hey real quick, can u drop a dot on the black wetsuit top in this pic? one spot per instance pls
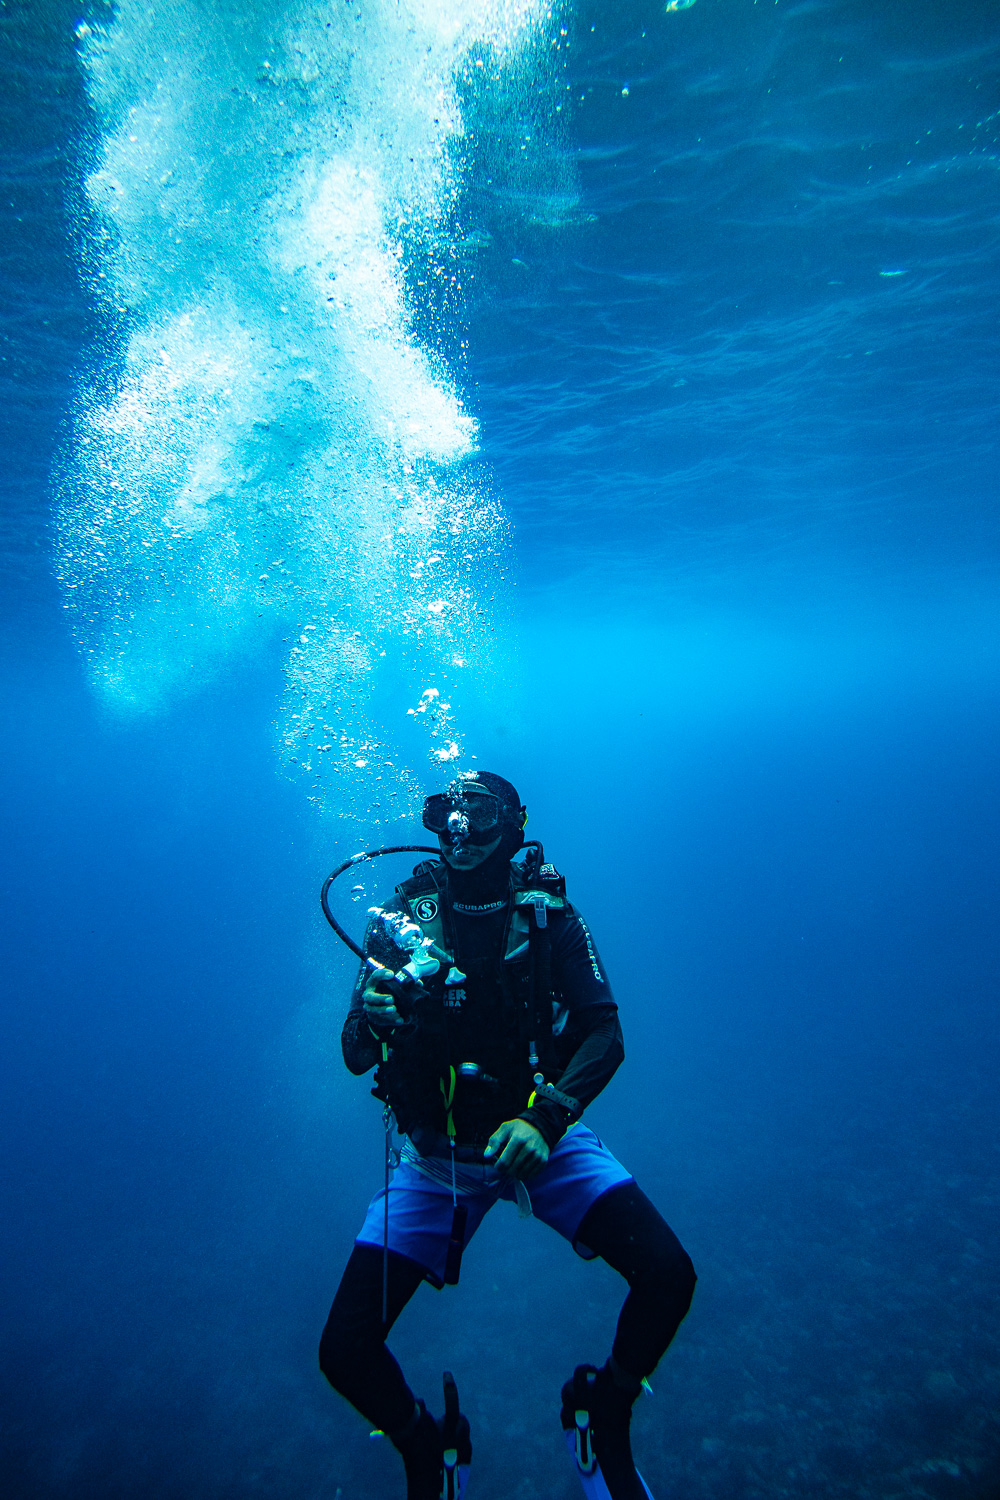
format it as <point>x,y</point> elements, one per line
<point>587,1045</point>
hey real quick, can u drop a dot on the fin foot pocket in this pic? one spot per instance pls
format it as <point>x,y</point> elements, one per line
<point>595,1417</point>
<point>420,1451</point>
<point>456,1444</point>
<point>436,1453</point>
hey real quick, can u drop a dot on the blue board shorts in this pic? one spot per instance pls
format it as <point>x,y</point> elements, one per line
<point>580,1169</point>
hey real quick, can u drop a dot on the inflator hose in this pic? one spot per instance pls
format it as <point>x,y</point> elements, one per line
<point>349,864</point>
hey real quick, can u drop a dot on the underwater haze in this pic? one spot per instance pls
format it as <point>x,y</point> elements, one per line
<point>606,395</point>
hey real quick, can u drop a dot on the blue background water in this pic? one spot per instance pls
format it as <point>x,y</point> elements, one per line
<point>753,484</point>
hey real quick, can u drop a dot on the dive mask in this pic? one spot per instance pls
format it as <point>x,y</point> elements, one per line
<point>471,817</point>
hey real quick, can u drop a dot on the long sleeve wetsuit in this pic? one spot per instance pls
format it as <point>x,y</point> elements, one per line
<point>589,1043</point>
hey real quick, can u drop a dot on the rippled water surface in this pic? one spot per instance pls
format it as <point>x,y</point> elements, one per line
<point>606,395</point>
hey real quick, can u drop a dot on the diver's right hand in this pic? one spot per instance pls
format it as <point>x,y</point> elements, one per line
<point>380,1008</point>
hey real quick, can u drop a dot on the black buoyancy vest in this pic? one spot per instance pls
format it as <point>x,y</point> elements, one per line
<point>490,1021</point>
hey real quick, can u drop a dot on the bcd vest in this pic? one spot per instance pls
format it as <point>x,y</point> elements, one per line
<point>483,1035</point>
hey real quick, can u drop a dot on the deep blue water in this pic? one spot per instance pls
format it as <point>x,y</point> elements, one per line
<point>714,580</point>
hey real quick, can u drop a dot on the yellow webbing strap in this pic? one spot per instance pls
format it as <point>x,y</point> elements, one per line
<point>448,1095</point>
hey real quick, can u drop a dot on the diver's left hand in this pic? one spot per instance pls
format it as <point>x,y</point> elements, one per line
<point>517,1149</point>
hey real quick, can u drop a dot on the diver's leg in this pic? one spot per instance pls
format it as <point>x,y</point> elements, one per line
<point>356,1362</point>
<point>589,1198</point>
<point>353,1355</point>
<point>352,1352</point>
<point>627,1231</point>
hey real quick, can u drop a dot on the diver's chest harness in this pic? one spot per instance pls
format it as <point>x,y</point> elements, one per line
<point>481,1046</point>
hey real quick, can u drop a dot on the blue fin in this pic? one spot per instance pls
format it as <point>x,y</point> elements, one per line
<point>593,1483</point>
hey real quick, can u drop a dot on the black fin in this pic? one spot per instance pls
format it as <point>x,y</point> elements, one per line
<point>454,1427</point>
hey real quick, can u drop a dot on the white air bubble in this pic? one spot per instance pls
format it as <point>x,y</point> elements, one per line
<point>257,161</point>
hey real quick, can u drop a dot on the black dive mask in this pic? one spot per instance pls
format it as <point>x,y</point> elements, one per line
<point>471,817</point>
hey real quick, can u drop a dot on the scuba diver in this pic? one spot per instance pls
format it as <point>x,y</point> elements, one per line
<point>488,1046</point>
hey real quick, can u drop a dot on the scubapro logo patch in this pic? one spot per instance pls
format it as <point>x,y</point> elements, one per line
<point>426,909</point>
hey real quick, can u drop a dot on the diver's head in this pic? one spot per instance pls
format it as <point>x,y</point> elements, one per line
<point>479,815</point>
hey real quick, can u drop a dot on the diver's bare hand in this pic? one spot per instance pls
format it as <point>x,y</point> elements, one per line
<point>517,1149</point>
<point>380,1008</point>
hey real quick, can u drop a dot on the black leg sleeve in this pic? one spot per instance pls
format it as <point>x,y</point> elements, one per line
<point>625,1229</point>
<point>352,1351</point>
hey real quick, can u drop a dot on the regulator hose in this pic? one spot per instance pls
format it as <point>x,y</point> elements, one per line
<point>350,864</point>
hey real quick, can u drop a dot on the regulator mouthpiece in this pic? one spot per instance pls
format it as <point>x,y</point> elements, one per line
<point>458,825</point>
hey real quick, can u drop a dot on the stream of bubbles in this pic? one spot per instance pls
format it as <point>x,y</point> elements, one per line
<point>272,440</point>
